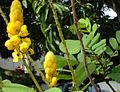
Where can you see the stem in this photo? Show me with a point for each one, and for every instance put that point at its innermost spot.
(3, 15)
(82, 46)
(32, 76)
(37, 68)
(64, 43)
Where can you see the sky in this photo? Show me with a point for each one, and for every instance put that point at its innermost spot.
(110, 12)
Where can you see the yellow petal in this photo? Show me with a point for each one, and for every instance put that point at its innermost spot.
(9, 45)
(50, 57)
(15, 40)
(27, 40)
(24, 47)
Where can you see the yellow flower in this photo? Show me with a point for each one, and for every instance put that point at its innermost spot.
(10, 35)
(11, 29)
(24, 47)
(18, 25)
(17, 56)
(50, 57)
(23, 32)
(16, 11)
(15, 40)
(9, 45)
(53, 82)
(27, 40)
(48, 77)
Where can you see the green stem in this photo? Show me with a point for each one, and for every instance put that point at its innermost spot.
(32, 76)
(38, 69)
(3, 15)
(64, 43)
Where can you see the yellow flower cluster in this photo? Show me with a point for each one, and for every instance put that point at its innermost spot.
(50, 68)
(17, 32)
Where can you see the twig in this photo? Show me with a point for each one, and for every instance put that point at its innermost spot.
(82, 46)
(37, 68)
(32, 76)
(3, 15)
(64, 43)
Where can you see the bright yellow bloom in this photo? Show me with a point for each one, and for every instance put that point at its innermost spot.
(48, 71)
(24, 47)
(17, 56)
(15, 40)
(11, 29)
(17, 32)
(48, 77)
(23, 31)
(9, 45)
(18, 25)
(50, 57)
(27, 40)
(16, 11)
(53, 82)
(50, 68)
(10, 35)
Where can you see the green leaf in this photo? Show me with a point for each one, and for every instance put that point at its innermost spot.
(34, 5)
(59, 7)
(95, 40)
(85, 41)
(53, 90)
(118, 36)
(100, 50)
(88, 24)
(94, 27)
(83, 23)
(99, 44)
(72, 45)
(64, 77)
(81, 74)
(109, 51)
(80, 58)
(14, 87)
(113, 42)
(41, 4)
(115, 73)
(61, 61)
(24, 2)
(72, 29)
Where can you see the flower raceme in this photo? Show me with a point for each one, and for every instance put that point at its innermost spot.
(50, 68)
(17, 33)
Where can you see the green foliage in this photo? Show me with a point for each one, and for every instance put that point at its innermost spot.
(84, 25)
(118, 36)
(61, 61)
(72, 45)
(7, 86)
(24, 2)
(64, 77)
(115, 73)
(92, 42)
(113, 42)
(53, 90)
(81, 74)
